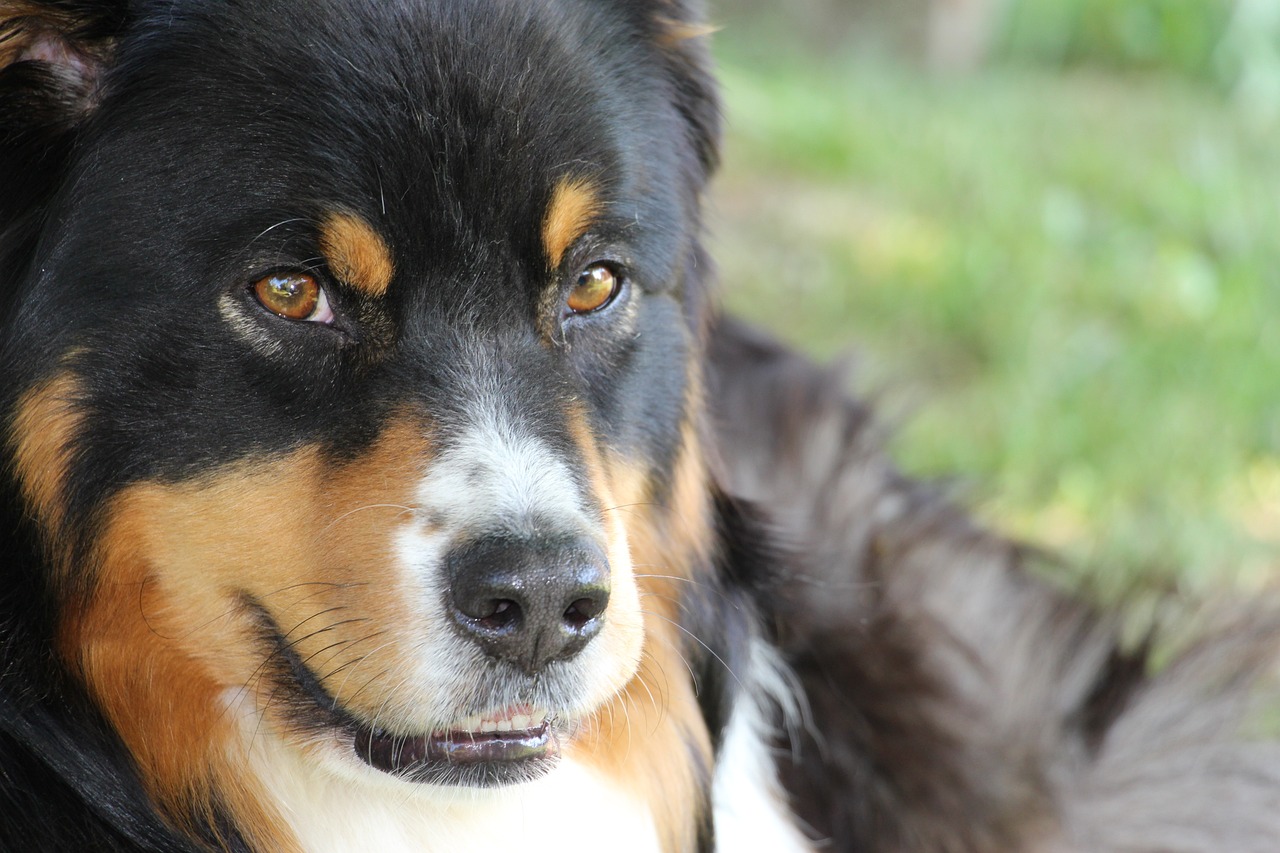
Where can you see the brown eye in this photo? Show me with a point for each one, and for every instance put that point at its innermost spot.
(294, 296)
(596, 286)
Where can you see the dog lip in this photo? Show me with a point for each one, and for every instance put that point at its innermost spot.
(513, 744)
(461, 758)
(417, 756)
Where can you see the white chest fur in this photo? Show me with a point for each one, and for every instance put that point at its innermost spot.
(750, 809)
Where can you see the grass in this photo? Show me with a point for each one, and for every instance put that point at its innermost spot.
(1067, 285)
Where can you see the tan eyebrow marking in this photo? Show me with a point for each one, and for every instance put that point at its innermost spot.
(356, 253)
(574, 204)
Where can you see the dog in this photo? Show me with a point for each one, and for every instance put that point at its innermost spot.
(380, 474)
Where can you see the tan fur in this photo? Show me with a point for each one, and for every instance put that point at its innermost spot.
(651, 737)
(132, 645)
(41, 437)
(22, 23)
(575, 203)
(31, 31)
(357, 254)
(600, 472)
(165, 634)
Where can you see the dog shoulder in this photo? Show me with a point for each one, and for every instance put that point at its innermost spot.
(954, 698)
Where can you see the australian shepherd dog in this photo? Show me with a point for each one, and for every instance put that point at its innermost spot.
(378, 475)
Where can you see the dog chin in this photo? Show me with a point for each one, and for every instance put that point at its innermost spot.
(515, 733)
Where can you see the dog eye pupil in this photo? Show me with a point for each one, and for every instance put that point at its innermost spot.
(596, 286)
(293, 296)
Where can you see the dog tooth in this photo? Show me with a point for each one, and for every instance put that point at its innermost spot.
(537, 717)
(504, 725)
(520, 721)
(488, 726)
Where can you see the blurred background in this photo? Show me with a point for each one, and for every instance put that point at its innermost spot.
(1049, 230)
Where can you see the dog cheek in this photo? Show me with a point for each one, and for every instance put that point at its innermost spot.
(166, 631)
(652, 732)
(131, 641)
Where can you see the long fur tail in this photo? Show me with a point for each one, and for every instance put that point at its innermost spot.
(957, 701)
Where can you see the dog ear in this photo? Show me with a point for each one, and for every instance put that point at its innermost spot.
(680, 30)
(52, 56)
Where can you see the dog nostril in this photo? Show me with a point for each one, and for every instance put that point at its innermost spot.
(504, 614)
(581, 612)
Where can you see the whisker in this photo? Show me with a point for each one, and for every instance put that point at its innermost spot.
(684, 660)
(315, 615)
(329, 674)
(362, 687)
(691, 581)
(277, 225)
(617, 507)
(405, 510)
(699, 641)
(626, 716)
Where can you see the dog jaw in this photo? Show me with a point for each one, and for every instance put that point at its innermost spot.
(334, 808)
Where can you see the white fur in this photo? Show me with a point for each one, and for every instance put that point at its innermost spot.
(492, 475)
(361, 809)
(750, 810)
(494, 478)
(232, 311)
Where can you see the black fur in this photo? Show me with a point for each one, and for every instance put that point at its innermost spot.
(957, 701)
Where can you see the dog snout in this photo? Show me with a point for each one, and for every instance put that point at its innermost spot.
(529, 602)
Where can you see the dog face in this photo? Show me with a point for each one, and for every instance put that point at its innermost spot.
(348, 345)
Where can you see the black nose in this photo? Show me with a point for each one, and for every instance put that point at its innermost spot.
(529, 601)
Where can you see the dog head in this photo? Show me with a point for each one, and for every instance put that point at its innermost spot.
(348, 348)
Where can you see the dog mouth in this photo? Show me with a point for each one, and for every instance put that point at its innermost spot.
(500, 747)
(508, 744)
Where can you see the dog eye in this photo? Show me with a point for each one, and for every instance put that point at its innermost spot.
(596, 287)
(294, 296)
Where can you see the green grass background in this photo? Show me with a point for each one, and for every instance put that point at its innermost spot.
(1061, 274)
